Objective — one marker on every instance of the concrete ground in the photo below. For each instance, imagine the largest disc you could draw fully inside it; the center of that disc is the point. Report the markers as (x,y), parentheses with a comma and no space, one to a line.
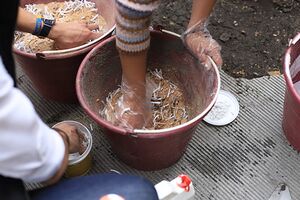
(248,158)
(244,160)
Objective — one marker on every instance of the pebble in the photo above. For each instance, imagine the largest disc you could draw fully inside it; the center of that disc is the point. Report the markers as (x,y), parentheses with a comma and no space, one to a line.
(224,37)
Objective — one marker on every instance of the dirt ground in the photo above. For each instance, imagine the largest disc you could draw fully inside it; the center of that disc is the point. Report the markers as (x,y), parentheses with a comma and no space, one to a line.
(253,33)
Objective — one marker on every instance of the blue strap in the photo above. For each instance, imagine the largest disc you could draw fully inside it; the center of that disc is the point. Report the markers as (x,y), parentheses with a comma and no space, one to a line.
(38,26)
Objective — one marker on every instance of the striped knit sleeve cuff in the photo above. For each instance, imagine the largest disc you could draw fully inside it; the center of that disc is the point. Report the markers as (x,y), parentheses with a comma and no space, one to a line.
(140,5)
(133,20)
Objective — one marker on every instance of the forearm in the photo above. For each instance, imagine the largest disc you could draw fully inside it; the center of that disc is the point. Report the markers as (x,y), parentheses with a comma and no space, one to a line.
(133,38)
(41,152)
(59,173)
(201,10)
(26,21)
(133,20)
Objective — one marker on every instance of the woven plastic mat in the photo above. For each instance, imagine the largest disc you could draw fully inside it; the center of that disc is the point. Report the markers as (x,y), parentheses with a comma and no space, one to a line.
(244,160)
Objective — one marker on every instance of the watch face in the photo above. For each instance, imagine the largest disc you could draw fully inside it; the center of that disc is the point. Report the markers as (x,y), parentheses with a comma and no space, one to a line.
(49,22)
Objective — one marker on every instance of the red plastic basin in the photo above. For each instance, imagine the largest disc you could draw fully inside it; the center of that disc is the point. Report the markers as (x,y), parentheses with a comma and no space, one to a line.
(100,73)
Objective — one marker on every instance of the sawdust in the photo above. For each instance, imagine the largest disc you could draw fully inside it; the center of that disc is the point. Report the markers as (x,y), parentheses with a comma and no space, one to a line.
(67,11)
(83,142)
(274,73)
(167,103)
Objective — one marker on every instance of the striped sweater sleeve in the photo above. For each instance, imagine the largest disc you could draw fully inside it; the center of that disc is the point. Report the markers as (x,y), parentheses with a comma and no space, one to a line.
(133,20)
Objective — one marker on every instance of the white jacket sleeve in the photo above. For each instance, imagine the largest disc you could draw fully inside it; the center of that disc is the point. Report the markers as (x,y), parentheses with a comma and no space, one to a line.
(29,149)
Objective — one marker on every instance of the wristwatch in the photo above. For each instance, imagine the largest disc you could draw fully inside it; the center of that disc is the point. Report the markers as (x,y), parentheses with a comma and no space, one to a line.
(48,24)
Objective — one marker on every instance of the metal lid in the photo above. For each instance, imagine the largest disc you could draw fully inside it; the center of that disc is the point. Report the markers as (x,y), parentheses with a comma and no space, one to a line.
(225,110)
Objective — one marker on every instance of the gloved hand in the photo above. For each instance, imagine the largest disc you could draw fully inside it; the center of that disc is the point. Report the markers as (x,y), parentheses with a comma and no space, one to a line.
(200,43)
(130,106)
(134,107)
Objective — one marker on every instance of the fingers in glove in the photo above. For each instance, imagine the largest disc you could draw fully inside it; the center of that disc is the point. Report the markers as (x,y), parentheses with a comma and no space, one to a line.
(92,26)
(214,51)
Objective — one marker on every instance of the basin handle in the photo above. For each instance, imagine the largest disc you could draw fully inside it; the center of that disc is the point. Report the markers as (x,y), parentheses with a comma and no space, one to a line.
(160,28)
(67,52)
(294,40)
(51,56)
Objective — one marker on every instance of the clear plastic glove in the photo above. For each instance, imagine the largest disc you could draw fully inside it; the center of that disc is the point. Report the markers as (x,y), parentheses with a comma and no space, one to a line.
(200,43)
(133,107)
(130,106)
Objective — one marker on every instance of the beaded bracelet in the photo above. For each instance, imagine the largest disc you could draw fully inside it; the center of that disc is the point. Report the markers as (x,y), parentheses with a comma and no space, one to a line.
(39,23)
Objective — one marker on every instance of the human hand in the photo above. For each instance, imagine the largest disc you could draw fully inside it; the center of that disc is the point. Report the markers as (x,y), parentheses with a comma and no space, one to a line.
(72,34)
(72,136)
(72,142)
(200,43)
(131,105)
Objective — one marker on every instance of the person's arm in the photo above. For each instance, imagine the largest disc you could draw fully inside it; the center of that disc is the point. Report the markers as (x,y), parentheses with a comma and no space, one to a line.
(65,35)
(30,150)
(25,21)
(133,40)
(71,140)
(201,10)
(197,37)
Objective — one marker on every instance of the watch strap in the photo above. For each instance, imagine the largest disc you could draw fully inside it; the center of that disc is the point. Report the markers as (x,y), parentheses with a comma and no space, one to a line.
(47,25)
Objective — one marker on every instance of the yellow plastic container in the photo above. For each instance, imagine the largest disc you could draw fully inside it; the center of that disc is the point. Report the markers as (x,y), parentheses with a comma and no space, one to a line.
(79,165)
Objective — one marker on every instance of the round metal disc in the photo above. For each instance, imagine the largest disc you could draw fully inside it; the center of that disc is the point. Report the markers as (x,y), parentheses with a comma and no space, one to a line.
(225,110)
